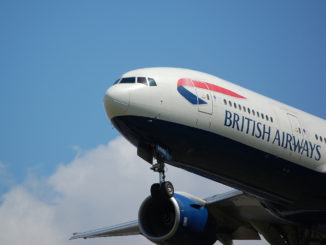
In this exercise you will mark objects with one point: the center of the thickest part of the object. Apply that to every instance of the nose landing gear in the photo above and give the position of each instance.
(163, 189)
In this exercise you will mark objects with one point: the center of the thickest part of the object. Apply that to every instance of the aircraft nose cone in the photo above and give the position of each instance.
(116, 101)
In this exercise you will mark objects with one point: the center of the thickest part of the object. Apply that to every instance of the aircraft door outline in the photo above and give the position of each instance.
(204, 94)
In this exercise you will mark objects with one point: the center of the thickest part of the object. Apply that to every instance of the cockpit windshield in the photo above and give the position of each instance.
(143, 80)
(128, 80)
(151, 82)
(116, 82)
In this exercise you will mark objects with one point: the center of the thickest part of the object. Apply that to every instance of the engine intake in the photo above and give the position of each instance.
(178, 220)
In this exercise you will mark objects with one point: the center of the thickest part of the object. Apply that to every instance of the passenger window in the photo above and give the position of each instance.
(248, 110)
(244, 109)
(142, 80)
(258, 114)
(321, 138)
(225, 102)
(235, 105)
(253, 112)
(239, 107)
(267, 117)
(316, 136)
(325, 140)
(230, 103)
(262, 116)
(151, 82)
(272, 119)
(128, 80)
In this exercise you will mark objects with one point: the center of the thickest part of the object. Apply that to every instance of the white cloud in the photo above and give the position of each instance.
(100, 187)
(26, 220)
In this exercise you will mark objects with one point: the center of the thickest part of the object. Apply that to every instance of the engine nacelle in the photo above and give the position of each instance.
(178, 220)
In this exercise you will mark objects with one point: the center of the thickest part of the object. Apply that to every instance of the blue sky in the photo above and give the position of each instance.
(57, 58)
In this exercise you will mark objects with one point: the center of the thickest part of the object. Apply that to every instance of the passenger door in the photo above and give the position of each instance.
(205, 99)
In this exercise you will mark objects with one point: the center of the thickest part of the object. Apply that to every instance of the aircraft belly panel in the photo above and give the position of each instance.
(227, 161)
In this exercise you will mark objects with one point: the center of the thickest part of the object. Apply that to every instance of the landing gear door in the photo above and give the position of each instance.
(205, 99)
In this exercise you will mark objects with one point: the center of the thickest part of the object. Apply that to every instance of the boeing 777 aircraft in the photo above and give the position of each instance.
(272, 153)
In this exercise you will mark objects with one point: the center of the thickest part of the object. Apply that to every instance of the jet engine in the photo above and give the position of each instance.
(176, 221)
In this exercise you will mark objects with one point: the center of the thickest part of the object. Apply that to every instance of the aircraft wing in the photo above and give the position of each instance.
(125, 229)
(237, 216)
(232, 211)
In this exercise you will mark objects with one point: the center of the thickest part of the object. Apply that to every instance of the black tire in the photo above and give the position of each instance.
(167, 189)
(156, 191)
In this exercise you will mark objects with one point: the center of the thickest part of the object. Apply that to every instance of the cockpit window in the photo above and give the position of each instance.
(128, 80)
(142, 80)
(117, 81)
(151, 82)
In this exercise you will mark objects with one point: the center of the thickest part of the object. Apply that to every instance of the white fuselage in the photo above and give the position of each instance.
(292, 139)
(293, 135)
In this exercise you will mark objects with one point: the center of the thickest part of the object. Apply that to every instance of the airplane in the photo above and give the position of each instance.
(272, 154)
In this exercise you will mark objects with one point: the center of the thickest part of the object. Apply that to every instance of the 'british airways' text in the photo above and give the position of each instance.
(275, 136)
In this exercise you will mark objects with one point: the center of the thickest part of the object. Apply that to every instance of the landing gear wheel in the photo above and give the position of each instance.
(167, 189)
(164, 189)
(156, 191)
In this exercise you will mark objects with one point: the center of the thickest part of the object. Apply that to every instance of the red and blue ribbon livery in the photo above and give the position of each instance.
(192, 98)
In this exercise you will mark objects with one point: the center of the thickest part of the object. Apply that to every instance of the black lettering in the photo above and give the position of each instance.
(305, 148)
(297, 144)
(277, 137)
(228, 116)
(236, 120)
(288, 141)
(242, 123)
(248, 124)
(312, 148)
(282, 139)
(253, 128)
(318, 157)
(259, 130)
(268, 132)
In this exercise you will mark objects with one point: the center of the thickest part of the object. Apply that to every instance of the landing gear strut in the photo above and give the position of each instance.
(163, 189)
